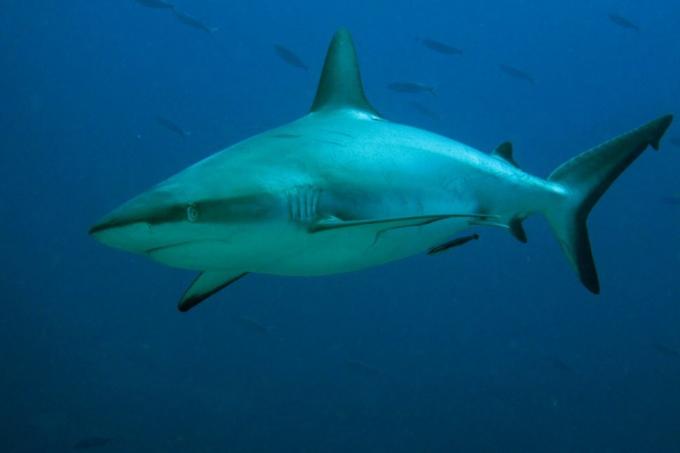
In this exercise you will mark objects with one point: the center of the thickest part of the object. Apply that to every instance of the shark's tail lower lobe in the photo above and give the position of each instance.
(583, 180)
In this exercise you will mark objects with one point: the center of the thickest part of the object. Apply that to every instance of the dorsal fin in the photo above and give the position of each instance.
(340, 84)
(504, 151)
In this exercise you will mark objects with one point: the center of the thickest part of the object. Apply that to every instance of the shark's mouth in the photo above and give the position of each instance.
(203, 244)
(161, 248)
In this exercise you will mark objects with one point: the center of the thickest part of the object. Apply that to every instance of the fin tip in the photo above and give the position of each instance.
(517, 230)
(205, 285)
(505, 151)
(340, 85)
(591, 284)
(658, 128)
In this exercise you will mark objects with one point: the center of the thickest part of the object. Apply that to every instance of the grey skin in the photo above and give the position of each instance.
(289, 57)
(623, 22)
(516, 73)
(192, 22)
(440, 47)
(156, 4)
(411, 87)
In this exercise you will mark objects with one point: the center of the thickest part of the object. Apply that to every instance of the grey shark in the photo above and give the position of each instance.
(343, 189)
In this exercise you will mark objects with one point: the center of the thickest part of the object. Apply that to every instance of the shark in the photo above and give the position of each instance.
(343, 189)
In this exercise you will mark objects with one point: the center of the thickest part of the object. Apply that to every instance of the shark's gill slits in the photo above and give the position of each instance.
(303, 204)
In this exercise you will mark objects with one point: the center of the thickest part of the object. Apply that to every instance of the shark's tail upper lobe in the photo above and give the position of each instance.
(583, 180)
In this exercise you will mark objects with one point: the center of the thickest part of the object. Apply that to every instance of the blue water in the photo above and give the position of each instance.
(491, 347)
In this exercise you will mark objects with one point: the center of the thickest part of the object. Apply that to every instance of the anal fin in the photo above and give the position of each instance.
(205, 285)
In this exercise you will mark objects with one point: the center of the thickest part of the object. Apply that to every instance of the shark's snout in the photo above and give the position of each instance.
(123, 230)
(112, 221)
(131, 226)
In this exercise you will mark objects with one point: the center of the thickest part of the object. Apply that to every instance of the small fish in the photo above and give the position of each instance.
(157, 4)
(666, 350)
(517, 73)
(440, 47)
(673, 200)
(192, 22)
(289, 57)
(362, 367)
(559, 365)
(411, 87)
(623, 22)
(425, 111)
(172, 126)
(253, 325)
(453, 243)
(92, 442)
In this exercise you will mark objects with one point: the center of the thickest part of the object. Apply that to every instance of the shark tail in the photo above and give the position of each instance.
(583, 180)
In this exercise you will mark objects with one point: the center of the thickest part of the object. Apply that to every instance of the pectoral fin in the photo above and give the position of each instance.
(333, 223)
(205, 285)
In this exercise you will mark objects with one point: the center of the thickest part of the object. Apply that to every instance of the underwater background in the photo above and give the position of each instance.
(495, 346)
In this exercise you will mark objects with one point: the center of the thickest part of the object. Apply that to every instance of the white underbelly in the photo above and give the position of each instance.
(289, 249)
(342, 250)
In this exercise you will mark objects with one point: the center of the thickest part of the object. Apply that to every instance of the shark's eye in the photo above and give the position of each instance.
(192, 213)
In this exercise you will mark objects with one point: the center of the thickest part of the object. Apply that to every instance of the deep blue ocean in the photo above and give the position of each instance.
(494, 346)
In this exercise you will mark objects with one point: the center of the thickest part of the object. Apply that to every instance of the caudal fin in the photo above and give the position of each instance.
(583, 180)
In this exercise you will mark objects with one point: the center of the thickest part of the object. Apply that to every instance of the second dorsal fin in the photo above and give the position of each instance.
(504, 151)
(340, 86)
